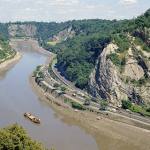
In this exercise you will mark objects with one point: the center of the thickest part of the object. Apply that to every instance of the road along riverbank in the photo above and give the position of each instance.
(109, 134)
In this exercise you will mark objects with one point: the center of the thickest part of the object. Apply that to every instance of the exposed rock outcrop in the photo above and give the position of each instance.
(108, 82)
(132, 69)
(105, 81)
(22, 30)
(63, 35)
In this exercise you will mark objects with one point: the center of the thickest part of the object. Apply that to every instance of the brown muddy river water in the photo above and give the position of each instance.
(17, 97)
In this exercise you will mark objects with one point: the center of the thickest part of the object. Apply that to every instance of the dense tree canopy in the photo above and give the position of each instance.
(77, 55)
(4, 31)
(15, 138)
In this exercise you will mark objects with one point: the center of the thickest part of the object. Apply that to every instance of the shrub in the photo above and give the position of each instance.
(139, 82)
(34, 73)
(56, 85)
(81, 82)
(148, 109)
(66, 100)
(77, 106)
(87, 102)
(94, 99)
(41, 74)
(116, 60)
(103, 105)
(63, 88)
(122, 41)
(38, 68)
(126, 104)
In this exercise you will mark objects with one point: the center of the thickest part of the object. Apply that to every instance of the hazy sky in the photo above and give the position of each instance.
(62, 10)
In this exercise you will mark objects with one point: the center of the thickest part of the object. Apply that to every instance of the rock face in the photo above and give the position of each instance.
(108, 82)
(64, 35)
(22, 30)
(105, 81)
(132, 69)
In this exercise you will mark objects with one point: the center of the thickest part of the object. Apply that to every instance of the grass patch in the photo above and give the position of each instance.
(122, 41)
(143, 110)
(140, 109)
(116, 60)
(140, 82)
(67, 100)
(144, 46)
(52, 43)
(77, 106)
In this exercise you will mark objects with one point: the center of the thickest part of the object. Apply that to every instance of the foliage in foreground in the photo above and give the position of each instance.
(15, 138)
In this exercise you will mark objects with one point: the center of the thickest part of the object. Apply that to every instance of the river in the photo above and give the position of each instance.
(17, 97)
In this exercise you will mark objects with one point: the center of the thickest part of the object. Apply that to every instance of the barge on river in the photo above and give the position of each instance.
(32, 118)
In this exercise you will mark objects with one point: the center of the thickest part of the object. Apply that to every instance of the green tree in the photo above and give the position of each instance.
(15, 138)
(77, 106)
(148, 109)
(126, 104)
(63, 88)
(103, 105)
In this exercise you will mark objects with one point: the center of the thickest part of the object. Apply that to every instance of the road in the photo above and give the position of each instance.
(81, 99)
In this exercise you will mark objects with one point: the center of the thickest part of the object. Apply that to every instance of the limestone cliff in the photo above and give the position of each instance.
(22, 30)
(63, 35)
(110, 82)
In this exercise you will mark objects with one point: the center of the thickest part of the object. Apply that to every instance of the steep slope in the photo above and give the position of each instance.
(119, 50)
(124, 74)
(115, 84)
(105, 79)
(110, 59)
(77, 56)
(22, 30)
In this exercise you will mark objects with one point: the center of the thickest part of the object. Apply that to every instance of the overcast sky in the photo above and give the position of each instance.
(62, 10)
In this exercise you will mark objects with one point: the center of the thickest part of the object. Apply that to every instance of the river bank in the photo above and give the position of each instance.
(109, 134)
(52, 131)
(6, 64)
(34, 46)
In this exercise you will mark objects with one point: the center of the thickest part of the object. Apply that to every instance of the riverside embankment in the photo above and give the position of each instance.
(9, 62)
(109, 134)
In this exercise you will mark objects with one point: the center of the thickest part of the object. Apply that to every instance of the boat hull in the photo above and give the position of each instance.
(32, 118)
